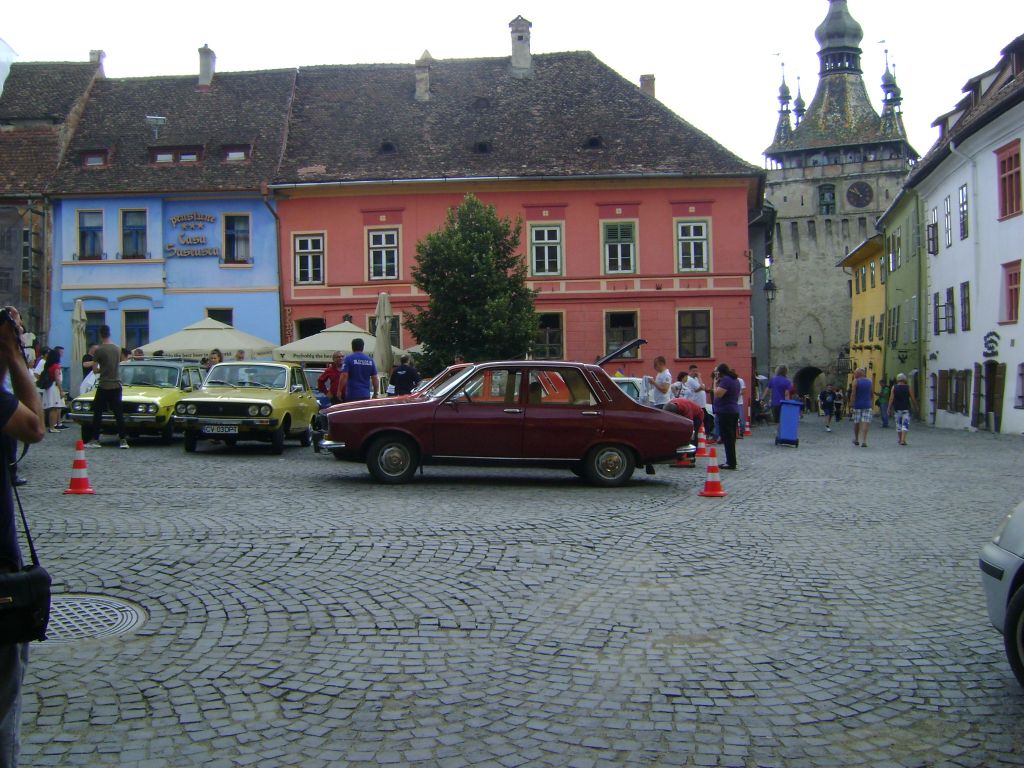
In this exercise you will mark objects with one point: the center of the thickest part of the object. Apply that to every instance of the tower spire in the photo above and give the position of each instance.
(799, 106)
(784, 129)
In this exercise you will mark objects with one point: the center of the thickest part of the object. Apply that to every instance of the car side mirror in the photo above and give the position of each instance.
(297, 388)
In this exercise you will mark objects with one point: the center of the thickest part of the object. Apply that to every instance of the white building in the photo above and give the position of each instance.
(969, 185)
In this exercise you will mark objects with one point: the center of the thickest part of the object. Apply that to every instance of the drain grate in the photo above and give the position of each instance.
(83, 617)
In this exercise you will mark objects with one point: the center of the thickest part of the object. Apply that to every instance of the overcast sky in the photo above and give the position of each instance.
(717, 64)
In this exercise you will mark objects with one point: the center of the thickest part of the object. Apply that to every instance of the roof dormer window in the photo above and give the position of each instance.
(237, 153)
(482, 147)
(388, 148)
(175, 155)
(94, 158)
(594, 142)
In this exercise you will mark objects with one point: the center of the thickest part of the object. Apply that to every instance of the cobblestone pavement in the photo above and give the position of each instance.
(828, 612)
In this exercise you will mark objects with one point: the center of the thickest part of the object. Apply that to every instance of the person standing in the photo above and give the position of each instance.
(358, 374)
(883, 403)
(88, 359)
(780, 387)
(827, 401)
(901, 403)
(695, 390)
(861, 393)
(53, 394)
(327, 382)
(661, 383)
(108, 391)
(743, 409)
(404, 377)
(21, 419)
(240, 355)
(727, 411)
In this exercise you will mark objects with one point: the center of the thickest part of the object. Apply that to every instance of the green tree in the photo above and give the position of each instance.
(480, 307)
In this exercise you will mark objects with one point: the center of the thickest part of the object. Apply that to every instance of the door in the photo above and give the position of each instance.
(482, 418)
(563, 415)
(308, 406)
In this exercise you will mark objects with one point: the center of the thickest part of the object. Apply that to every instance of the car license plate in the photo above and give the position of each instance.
(218, 430)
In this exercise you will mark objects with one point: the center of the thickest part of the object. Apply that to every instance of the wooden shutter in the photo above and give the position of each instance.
(976, 414)
(943, 393)
(997, 400)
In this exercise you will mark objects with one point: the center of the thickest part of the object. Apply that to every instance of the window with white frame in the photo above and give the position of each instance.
(947, 222)
(309, 259)
(619, 247)
(394, 330)
(546, 249)
(237, 244)
(383, 254)
(963, 211)
(950, 311)
(692, 246)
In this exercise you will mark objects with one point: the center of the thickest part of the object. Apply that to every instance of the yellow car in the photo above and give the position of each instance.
(150, 390)
(249, 401)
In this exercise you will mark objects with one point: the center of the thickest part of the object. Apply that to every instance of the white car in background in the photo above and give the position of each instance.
(1002, 568)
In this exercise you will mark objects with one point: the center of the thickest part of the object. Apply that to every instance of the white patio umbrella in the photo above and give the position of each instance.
(382, 355)
(199, 338)
(319, 347)
(78, 345)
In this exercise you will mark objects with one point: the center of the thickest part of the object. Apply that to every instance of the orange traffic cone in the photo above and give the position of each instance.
(702, 445)
(79, 472)
(746, 429)
(712, 484)
(685, 460)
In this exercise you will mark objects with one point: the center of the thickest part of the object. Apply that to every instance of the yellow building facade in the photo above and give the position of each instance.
(866, 267)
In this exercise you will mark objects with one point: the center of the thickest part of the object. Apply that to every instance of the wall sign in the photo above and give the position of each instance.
(192, 237)
(991, 340)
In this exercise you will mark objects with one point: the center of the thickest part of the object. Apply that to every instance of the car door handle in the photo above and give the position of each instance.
(590, 413)
(513, 410)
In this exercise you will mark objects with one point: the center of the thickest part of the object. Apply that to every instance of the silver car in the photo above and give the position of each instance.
(1002, 568)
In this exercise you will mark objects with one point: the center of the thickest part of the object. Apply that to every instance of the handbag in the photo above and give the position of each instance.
(24, 593)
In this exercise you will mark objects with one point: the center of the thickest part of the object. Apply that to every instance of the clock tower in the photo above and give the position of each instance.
(833, 168)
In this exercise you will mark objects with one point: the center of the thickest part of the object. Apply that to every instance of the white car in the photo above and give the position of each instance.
(1002, 568)
(634, 386)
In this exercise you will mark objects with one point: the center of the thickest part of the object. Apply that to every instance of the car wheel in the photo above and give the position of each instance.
(306, 437)
(277, 441)
(609, 465)
(190, 441)
(1013, 634)
(392, 459)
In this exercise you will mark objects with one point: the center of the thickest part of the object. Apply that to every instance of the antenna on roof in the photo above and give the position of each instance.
(154, 122)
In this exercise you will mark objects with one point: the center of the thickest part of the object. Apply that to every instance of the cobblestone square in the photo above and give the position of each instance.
(827, 612)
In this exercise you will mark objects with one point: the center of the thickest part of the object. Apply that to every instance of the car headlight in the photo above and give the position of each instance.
(179, 408)
(76, 406)
(265, 410)
(254, 410)
(151, 408)
(140, 408)
(1001, 528)
(191, 409)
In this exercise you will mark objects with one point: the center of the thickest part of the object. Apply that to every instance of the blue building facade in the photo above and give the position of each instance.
(149, 265)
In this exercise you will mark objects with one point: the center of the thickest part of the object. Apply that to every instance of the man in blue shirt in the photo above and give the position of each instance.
(863, 391)
(358, 374)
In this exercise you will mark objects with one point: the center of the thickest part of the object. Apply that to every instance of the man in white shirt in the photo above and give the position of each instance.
(694, 389)
(742, 407)
(661, 384)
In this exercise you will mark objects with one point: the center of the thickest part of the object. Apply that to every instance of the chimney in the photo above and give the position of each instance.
(647, 84)
(97, 57)
(207, 64)
(520, 46)
(423, 76)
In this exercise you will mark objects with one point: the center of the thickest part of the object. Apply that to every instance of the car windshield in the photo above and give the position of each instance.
(149, 376)
(247, 375)
(439, 387)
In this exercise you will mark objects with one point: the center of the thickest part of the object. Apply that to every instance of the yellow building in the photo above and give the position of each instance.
(867, 322)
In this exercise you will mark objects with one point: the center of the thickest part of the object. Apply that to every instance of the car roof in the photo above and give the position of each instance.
(164, 363)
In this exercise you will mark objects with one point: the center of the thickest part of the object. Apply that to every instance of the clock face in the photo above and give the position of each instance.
(859, 194)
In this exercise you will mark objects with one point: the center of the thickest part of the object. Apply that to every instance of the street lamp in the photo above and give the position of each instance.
(769, 296)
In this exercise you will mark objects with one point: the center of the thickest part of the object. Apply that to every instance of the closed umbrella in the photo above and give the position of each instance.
(78, 344)
(382, 348)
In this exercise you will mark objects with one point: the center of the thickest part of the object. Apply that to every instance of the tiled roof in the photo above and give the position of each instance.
(997, 101)
(572, 115)
(28, 157)
(45, 90)
(840, 115)
(239, 108)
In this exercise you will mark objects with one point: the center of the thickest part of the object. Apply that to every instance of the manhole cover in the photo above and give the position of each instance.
(81, 617)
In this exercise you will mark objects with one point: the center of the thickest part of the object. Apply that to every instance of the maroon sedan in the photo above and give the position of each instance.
(521, 413)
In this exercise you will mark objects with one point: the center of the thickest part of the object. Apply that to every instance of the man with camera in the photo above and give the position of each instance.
(21, 419)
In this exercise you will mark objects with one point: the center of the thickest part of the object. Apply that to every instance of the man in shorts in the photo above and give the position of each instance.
(827, 400)
(861, 394)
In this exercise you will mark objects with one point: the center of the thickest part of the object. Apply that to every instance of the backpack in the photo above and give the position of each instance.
(45, 380)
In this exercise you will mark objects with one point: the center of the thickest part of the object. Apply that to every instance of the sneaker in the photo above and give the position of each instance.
(94, 444)
(52, 430)
(124, 443)
(828, 429)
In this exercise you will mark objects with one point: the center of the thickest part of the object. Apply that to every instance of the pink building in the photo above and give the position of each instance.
(634, 222)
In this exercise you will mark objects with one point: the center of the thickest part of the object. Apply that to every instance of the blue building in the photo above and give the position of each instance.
(160, 211)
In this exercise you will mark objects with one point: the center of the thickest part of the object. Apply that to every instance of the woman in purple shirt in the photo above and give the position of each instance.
(727, 410)
(780, 387)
